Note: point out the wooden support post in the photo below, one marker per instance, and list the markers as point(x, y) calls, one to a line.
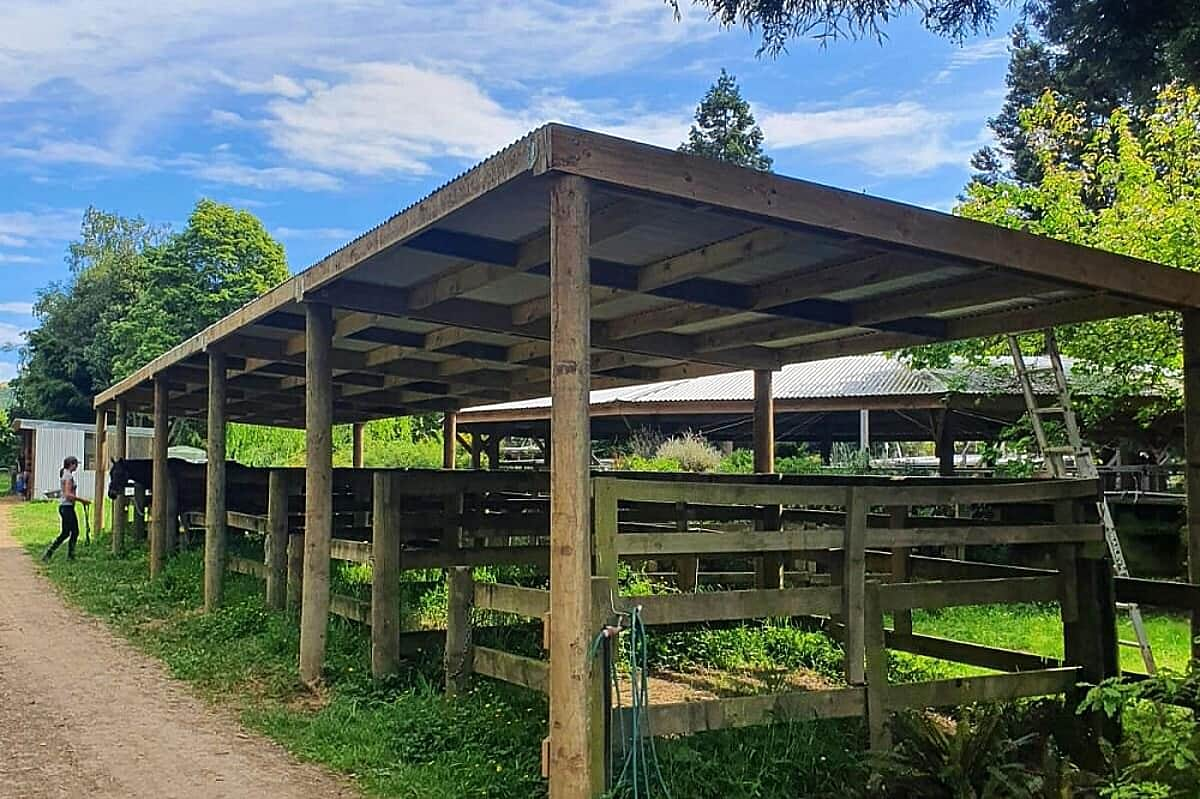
point(356, 433)
point(318, 489)
point(171, 516)
point(97, 508)
point(1191, 447)
point(901, 567)
point(576, 733)
point(160, 490)
point(493, 450)
point(139, 512)
point(119, 451)
point(877, 673)
point(277, 540)
point(295, 570)
point(854, 565)
point(476, 451)
point(385, 575)
point(449, 438)
point(687, 567)
point(768, 568)
point(864, 431)
point(460, 593)
point(944, 445)
point(214, 485)
point(827, 443)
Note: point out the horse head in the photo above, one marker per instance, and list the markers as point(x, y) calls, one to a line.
point(118, 477)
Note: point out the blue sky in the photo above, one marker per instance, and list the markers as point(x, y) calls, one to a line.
point(325, 118)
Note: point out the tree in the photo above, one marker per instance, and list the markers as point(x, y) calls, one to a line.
point(782, 20)
point(1134, 189)
point(223, 259)
point(1100, 53)
point(66, 358)
point(725, 128)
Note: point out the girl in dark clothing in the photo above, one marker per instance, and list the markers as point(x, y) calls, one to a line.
point(66, 510)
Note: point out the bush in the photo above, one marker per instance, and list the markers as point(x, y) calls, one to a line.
point(691, 451)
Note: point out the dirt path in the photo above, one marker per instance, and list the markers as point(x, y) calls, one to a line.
point(82, 714)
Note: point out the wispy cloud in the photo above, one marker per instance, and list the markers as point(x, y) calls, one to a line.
point(887, 139)
point(336, 233)
point(222, 168)
point(26, 228)
point(8, 370)
point(970, 54)
point(17, 308)
point(81, 153)
point(10, 335)
point(14, 258)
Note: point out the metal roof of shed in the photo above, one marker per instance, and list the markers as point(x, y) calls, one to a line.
point(697, 267)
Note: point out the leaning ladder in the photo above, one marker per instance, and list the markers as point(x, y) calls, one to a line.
point(1085, 463)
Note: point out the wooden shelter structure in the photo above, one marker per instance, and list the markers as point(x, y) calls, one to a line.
point(573, 260)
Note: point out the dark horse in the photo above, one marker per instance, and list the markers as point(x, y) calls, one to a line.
point(246, 488)
point(123, 473)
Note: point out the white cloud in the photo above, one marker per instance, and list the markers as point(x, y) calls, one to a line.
point(974, 53)
point(21, 228)
point(224, 169)
point(17, 308)
point(10, 258)
point(279, 85)
point(889, 139)
point(72, 152)
point(10, 335)
point(337, 233)
point(8, 370)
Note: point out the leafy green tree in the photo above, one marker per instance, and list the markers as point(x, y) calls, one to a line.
point(725, 128)
point(67, 358)
point(223, 259)
point(1133, 189)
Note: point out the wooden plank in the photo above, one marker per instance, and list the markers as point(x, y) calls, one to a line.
point(449, 438)
point(853, 588)
point(526, 672)
point(901, 565)
point(990, 688)
point(240, 565)
point(576, 735)
point(731, 605)
point(714, 493)
point(930, 568)
point(350, 608)
point(460, 593)
point(121, 503)
point(247, 521)
point(688, 718)
point(769, 196)
point(984, 493)
point(385, 577)
point(988, 657)
point(352, 551)
point(988, 534)
point(712, 543)
point(318, 490)
point(276, 542)
point(876, 672)
point(160, 493)
point(956, 593)
point(531, 602)
point(1159, 593)
point(605, 520)
point(486, 556)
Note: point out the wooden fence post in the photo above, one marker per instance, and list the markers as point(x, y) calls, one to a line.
point(385, 576)
point(318, 489)
point(877, 673)
point(854, 565)
point(460, 592)
point(295, 570)
point(160, 491)
point(101, 434)
point(901, 567)
point(277, 539)
point(120, 505)
point(215, 509)
point(358, 445)
point(1191, 453)
point(573, 685)
point(687, 567)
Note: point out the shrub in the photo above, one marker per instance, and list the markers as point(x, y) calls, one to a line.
point(692, 451)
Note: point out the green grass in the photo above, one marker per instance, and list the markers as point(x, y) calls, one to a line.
point(1038, 629)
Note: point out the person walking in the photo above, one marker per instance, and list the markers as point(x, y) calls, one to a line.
point(66, 509)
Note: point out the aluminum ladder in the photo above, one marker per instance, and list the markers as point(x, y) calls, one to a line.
point(1085, 463)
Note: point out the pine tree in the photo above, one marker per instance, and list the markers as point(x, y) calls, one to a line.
point(725, 128)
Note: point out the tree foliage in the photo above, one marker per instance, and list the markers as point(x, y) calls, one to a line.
point(725, 128)
point(1131, 185)
point(66, 358)
point(223, 259)
point(779, 21)
point(134, 290)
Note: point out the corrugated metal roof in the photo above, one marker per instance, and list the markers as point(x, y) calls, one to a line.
point(851, 376)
